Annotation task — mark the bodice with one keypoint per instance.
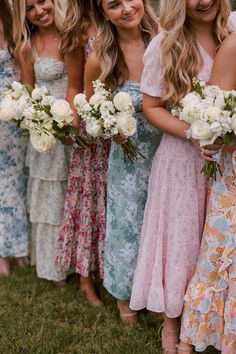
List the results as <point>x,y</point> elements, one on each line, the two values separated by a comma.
<point>8,72</point>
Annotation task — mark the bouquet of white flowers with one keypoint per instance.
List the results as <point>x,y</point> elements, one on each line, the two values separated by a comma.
<point>106,116</point>
<point>211,113</point>
<point>42,117</point>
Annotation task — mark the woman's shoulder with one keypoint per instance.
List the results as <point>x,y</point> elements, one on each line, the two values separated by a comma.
<point>229,46</point>
<point>155,43</point>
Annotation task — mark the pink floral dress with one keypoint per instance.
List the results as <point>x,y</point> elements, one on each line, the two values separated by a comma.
<point>175,208</point>
<point>82,231</point>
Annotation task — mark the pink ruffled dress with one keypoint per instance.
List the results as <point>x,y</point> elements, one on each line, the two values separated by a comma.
<point>175,208</point>
<point>82,233</point>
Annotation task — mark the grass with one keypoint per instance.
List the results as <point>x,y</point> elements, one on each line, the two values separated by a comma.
<point>36,318</point>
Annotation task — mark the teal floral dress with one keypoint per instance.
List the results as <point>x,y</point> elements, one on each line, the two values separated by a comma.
<point>13,176</point>
<point>127,192</point>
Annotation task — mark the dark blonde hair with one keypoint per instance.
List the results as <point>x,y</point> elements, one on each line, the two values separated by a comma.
<point>6,19</point>
<point>107,48</point>
<point>180,55</point>
<point>78,20</point>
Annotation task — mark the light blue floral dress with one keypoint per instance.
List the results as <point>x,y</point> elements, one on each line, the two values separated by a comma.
<point>13,176</point>
<point>48,180</point>
<point>127,192</point>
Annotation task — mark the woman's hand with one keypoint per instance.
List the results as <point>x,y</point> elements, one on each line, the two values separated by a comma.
<point>120,139</point>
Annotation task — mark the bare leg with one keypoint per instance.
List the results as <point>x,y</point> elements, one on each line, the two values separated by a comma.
<point>184,348</point>
<point>21,262</point>
<point>5,270</point>
<point>170,335</point>
<point>128,316</point>
<point>86,285</point>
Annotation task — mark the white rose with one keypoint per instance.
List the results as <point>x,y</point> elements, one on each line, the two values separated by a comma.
<point>80,100</point>
<point>192,99</point>
<point>28,113</point>
<point>189,114</point>
<point>106,109</point>
<point>123,101</point>
<point>201,130</point>
<point>212,113</point>
<point>17,86</point>
<point>36,94</point>
<point>96,99</point>
<point>42,141</point>
<point>61,110</point>
<point>216,128</point>
<point>93,129</point>
<point>7,110</point>
<point>126,124</point>
<point>233,123</point>
<point>47,100</point>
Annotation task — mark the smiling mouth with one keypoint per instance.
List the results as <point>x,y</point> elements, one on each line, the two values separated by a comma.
<point>207,9</point>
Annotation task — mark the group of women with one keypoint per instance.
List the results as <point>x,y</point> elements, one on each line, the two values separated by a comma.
<point>138,225</point>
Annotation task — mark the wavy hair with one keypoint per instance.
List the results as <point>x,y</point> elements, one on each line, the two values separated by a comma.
<point>180,55</point>
<point>111,58</point>
<point>6,19</point>
<point>23,28</point>
<point>77,22</point>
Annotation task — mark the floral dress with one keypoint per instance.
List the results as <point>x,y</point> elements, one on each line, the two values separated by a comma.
<point>48,180</point>
<point>127,192</point>
<point>209,316</point>
<point>13,176</point>
<point>82,232</point>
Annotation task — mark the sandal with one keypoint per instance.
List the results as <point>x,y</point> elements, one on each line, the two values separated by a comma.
<point>127,316</point>
<point>167,348</point>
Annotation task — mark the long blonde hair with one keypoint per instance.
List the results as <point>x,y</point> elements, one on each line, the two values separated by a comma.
<point>111,58</point>
<point>180,55</point>
<point>78,20</point>
<point>23,29</point>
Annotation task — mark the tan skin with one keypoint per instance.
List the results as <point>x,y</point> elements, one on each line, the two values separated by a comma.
<point>225,79</point>
<point>133,48</point>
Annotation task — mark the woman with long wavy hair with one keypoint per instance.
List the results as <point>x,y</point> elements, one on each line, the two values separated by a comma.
<point>124,30</point>
<point>190,33</point>
<point>13,176</point>
<point>82,231</point>
<point>37,34</point>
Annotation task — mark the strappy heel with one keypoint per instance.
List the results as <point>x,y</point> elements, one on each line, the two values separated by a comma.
<point>170,332</point>
<point>128,317</point>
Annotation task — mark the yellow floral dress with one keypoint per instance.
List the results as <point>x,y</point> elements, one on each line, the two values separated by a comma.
<point>209,316</point>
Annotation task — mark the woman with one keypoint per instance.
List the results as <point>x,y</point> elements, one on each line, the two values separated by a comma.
<point>124,30</point>
<point>82,232</point>
<point>191,31</point>
<point>13,177</point>
<point>37,27</point>
<point>209,316</point>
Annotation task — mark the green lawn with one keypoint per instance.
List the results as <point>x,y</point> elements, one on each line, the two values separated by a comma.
<point>37,318</point>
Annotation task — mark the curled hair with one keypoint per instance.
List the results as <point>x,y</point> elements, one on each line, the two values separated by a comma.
<point>77,22</point>
<point>111,58</point>
<point>23,28</point>
<point>180,55</point>
<point>6,19</point>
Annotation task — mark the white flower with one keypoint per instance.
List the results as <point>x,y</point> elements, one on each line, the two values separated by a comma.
<point>93,129</point>
<point>233,123</point>
<point>107,108</point>
<point>42,141</point>
<point>201,130</point>
<point>36,94</point>
<point>216,128</point>
<point>212,114</point>
<point>7,110</point>
<point>190,114</point>
<point>192,99</point>
<point>97,98</point>
<point>47,100</point>
<point>126,124</point>
<point>123,101</point>
<point>61,111</point>
<point>80,100</point>
<point>28,113</point>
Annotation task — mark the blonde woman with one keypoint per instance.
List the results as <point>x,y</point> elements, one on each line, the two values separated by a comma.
<point>82,232</point>
<point>191,31</point>
<point>124,30</point>
<point>13,176</point>
<point>37,37</point>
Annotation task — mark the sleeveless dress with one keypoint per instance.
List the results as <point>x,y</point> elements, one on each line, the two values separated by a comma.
<point>209,316</point>
<point>48,179</point>
<point>13,176</point>
<point>127,192</point>
<point>82,232</point>
<point>175,208</point>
